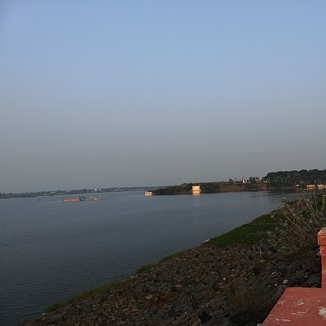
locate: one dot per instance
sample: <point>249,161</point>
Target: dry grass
<point>303,219</point>
<point>250,302</point>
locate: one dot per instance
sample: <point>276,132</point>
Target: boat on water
<point>80,198</point>
<point>148,193</point>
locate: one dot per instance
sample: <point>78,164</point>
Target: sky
<point>114,93</point>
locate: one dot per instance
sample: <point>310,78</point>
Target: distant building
<point>196,190</point>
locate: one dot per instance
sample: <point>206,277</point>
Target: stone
<point>313,280</point>
<point>205,285</point>
<point>204,317</point>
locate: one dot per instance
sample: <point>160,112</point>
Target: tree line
<point>293,178</point>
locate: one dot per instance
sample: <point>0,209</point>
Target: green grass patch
<point>250,233</point>
<point>81,296</point>
<point>176,254</point>
<point>145,268</point>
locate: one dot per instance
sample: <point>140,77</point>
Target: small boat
<point>148,193</point>
<point>70,200</point>
<point>81,198</point>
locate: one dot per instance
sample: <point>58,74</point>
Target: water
<point>50,250</point>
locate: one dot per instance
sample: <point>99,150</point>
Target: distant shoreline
<point>183,189</point>
<point>68,192</point>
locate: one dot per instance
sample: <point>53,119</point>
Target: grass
<point>303,219</point>
<point>144,268</point>
<point>249,233</point>
<point>176,254</point>
<point>147,267</point>
<point>293,226</point>
<point>81,296</point>
<point>249,302</point>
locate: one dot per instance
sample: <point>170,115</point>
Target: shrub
<point>303,219</point>
<point>250,302</point>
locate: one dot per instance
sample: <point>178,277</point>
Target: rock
<point>256,270</point>
<point>205,285</point>
<point>313,280</point>
<point>299,277</point>
<point>284,270</point>
<point>204,317</point>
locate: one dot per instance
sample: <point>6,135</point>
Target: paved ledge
<point>300,307</point>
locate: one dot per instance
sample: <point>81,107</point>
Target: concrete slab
<point>300,307</point>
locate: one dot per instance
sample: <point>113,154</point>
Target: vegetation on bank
<point>292,227</point>
<point>249,233</point>
<point>147,267</point>
<point>302,220</point>
<point>80,296</point>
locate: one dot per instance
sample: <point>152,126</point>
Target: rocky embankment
<point>205,285</point>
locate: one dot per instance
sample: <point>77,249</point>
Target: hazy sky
<point>132,93</point>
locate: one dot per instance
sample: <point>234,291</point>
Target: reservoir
<point>51,250</point>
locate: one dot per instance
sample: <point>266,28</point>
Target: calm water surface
<point>50,250</point>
